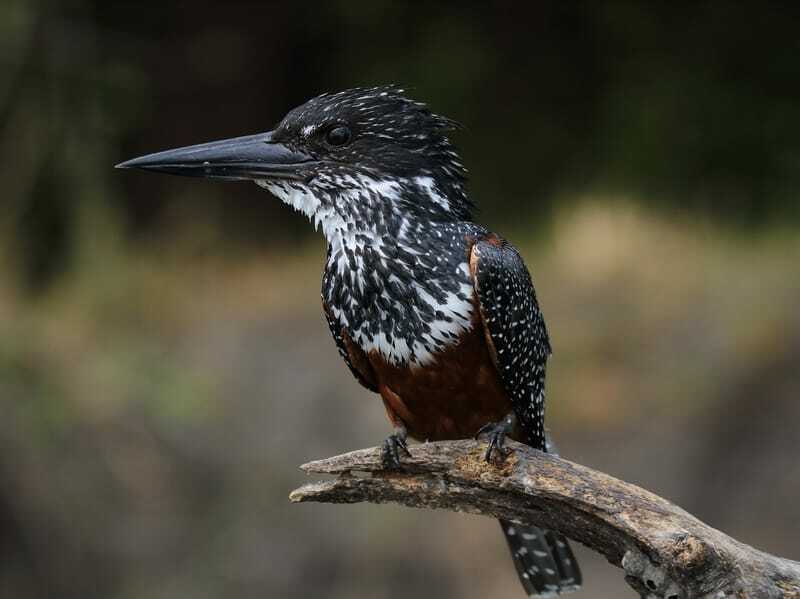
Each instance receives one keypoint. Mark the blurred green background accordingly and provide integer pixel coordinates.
(164, 362)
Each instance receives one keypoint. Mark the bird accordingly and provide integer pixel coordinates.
(428, 309)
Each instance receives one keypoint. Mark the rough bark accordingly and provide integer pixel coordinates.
(663, 550)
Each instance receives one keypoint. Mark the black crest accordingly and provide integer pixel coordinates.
(385, 134)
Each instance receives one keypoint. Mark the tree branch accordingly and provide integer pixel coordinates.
(664, 551)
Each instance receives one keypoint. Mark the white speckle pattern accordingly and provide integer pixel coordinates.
(392, 205)
(516, 326)
(428, 187)
(544, 561)
(398, 283)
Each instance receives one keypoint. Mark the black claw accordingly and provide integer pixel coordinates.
(497, 432)
(392, 446)
(485, 429)
(401, 443)
(496, 441)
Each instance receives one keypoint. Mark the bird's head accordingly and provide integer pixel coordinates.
(345, 159)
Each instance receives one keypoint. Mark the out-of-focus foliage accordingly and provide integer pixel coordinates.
(164, 365)
(693, 107)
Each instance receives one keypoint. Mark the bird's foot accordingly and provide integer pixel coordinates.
(497, 432)
(393, 446)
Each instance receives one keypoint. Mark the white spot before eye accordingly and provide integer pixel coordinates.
(307, 130)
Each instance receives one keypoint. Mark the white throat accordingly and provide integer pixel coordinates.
(329, 204)
(362, 253)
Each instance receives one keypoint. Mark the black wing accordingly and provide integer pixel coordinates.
(516, 328)
(520, 346)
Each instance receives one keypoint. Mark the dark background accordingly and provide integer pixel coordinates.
(164, 365)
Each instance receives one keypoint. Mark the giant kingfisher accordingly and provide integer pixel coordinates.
(428, 309)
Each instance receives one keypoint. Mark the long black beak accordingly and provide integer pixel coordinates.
(241, 158)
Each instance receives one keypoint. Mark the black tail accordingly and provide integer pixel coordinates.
(544, 560)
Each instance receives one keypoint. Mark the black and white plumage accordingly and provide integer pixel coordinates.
(516, 326)
(428, 309)
(544, 560)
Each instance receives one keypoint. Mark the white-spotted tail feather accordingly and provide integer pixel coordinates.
(544, 560)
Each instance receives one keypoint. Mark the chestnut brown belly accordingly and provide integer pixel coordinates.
(449, 398)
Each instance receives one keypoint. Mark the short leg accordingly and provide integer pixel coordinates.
(497, 432)
(393, 445)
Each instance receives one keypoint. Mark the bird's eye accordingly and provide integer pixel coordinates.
(338, 136)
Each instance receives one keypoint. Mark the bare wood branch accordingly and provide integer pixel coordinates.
(664, 551)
